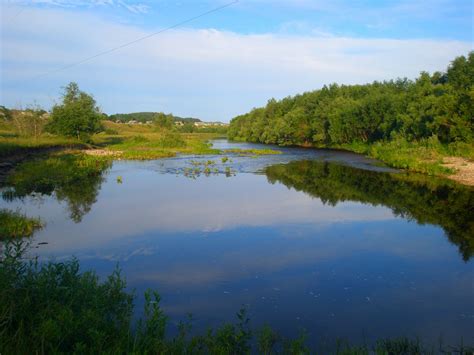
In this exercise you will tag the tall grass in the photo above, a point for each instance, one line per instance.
(423, 156)
(14, 224)
(17, 145)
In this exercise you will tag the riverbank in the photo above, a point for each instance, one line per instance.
(454, 161)
(429, 157)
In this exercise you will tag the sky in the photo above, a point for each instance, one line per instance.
(225, 62)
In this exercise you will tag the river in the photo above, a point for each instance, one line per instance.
(321, 240)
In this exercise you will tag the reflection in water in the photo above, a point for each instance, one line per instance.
(432, 201)
(75, 179)
(349, 263)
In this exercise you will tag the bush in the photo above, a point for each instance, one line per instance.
(171, 140)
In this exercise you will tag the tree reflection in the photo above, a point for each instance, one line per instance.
(420, 198)
(73, 178)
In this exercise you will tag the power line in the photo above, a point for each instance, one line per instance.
(135, 41)
(14, 16)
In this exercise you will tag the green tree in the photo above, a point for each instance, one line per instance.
(163, 120)
(439, 105)
(77, 116)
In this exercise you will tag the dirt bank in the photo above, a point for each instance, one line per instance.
(464, 170)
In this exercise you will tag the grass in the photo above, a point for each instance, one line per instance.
(425, 156)
(136, 142)
(144, 142)
(131, 142)
(10, 145)
(14, 224)
(54, 308)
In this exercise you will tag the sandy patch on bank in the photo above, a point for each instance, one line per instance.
(103, 153)
(464, 170)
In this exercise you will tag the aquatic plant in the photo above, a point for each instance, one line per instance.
(14, 224)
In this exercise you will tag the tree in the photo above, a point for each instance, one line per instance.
(441, 105)
(163, 120)
(77, 116)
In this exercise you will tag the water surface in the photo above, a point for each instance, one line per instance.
(321, 240)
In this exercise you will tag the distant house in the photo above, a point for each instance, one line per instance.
(179, 123)
(132, 122)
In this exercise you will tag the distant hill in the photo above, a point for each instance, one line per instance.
(148, 116)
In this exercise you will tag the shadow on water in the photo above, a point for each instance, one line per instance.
(426, 200)
(74, 179)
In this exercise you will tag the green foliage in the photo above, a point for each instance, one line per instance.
(439, 106)
(171, 139)
(423, 156)
(52, 308)
(163, 120)
(77, 116)
(267, 339)
(14, 224)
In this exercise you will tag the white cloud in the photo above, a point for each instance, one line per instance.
(132, 7)
(206, 73)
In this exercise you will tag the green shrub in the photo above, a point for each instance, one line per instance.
(171, 140)
(14, 224)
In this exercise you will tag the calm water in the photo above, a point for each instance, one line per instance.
(325, 241)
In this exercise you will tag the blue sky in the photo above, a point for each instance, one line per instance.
(224, 63)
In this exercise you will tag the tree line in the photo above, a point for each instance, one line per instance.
(440, 105)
